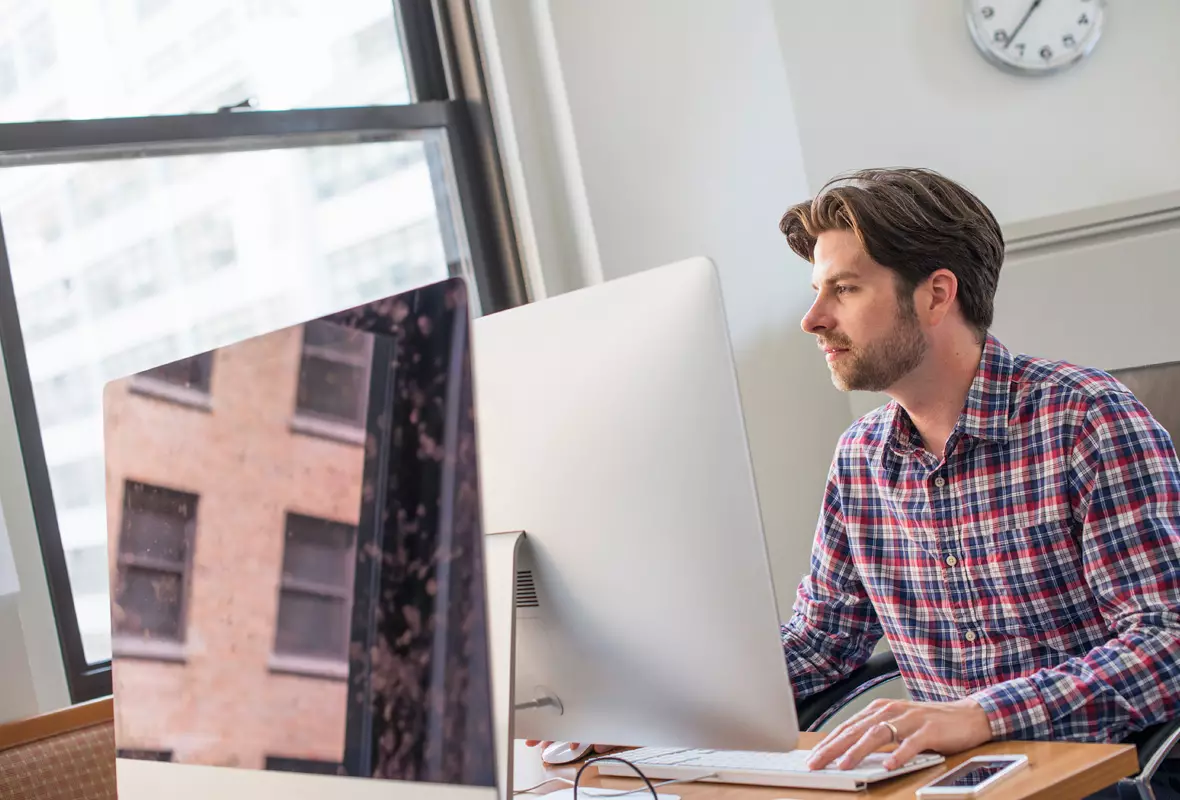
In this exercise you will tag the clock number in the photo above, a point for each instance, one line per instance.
(1068, 40)
(1020, 48)
(988, 12)
(1046, 52)
(1001, 35)
(1083, 20)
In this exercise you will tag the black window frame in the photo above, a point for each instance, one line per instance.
(448, 99)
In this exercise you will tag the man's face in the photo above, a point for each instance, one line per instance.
(870, 339)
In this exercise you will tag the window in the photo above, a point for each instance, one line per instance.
(8, 81)
(340, 170)
(334, 373)
(382, 265)
(40, 47)
(78, 483)
(145, 9)
(65, 397)
(144, 755)
(153, 238)
(130, 275)
(104, 189)
(204, 244)
(52, 309)
(154, 543)
(315, 598)
(304, 765)
(232, 326)
(187, 373)
(88, 569)
(152, 353)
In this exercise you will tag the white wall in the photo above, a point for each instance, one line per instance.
(32, 675)
(17, 698)
(885, 84)
(681, 126)
(1110, 302)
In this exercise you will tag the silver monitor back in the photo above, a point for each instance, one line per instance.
(611, 432)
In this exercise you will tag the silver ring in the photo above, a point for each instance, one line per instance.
(894, 738)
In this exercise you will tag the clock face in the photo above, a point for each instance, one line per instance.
(1035, 37)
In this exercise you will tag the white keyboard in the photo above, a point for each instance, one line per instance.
(758, 769)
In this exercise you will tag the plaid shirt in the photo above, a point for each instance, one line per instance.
(1034, 568)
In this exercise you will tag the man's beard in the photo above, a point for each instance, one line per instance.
(880, 364)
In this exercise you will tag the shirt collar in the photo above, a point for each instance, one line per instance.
(985, 413)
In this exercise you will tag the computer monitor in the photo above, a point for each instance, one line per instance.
(298, 597)
(611, 433)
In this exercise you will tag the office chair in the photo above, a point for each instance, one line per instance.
(63, 755)
(1153, 744)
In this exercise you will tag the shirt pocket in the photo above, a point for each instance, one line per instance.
(1030, 583)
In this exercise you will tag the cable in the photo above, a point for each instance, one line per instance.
(623, 792)
(638, 772)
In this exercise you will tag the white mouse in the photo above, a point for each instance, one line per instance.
(564, 752)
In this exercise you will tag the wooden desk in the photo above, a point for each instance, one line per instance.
(1056, 771)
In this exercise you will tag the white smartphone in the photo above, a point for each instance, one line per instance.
(973, 777)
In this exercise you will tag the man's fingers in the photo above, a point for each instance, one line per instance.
(845, 736)
(876, 737)
(835, 746)
(913, 744)
(872, 709)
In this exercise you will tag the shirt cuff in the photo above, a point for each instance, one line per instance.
(1015, 710)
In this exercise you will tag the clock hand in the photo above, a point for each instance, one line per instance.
(1027, 14)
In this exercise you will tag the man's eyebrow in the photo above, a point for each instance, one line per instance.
(846, 275)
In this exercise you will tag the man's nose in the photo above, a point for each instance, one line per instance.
(816, 320)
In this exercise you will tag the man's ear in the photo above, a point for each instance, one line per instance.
(937, 295)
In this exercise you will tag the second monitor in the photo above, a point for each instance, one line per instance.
(612, 434)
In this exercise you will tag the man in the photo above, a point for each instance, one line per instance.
(1010, 524)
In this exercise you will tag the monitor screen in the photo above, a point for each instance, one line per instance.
(296, 553)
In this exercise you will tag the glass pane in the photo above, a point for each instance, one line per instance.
(331, 389)
(78, 483)
(83, 59)
(155, 523)
(149, 603)
(123, 266)
(336, 338)
(318, 551)
(88, 570)
(309, 625)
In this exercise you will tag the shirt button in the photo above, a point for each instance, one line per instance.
(969, 636)
(951, 561)
(940, 481)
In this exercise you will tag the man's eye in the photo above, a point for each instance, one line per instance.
(843, 289)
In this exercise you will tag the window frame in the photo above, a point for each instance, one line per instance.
(448, 100)
(299, 586)
(127, 644)
(309, 419)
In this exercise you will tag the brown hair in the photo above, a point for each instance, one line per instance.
(913, 221)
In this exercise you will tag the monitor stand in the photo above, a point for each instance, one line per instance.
(501, 551)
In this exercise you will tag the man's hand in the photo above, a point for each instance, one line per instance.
(945, 728)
